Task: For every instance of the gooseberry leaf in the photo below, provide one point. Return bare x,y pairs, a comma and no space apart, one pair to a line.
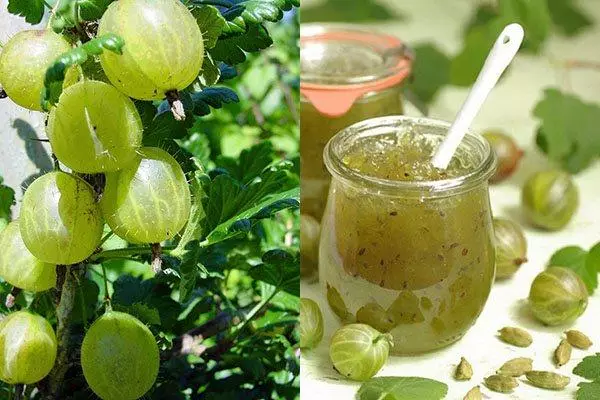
533,15
232,50
588,390
250,163
211,24
31,10
402,388
431,71
90,10
7,199
280,269
86,301
578,260
567,18
568,130
589,367
148,315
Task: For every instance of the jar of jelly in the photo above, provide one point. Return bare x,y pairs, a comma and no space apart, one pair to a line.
347,75
405,247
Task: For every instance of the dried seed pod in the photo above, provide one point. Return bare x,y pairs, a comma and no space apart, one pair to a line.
501,383
473,394
464,370
562,354
516,367
515,336
578,339
547,380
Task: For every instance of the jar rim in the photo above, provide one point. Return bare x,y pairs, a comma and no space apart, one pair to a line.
427,188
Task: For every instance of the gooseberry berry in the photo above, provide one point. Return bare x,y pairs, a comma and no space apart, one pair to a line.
27,348
94,128
23,63
310,231
550,199
311,324
19,267
507,152
149,201
358,351
558,296
511,247
60,220
163,48
119,357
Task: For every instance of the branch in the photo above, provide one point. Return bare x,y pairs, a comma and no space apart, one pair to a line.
64,312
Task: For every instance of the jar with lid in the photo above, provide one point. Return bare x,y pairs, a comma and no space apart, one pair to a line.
405,247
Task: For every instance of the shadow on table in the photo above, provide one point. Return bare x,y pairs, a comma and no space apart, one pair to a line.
349,11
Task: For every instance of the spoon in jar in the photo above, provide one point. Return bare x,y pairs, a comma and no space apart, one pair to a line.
504,50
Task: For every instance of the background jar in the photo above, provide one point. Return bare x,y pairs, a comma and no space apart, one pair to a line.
347,75
413,258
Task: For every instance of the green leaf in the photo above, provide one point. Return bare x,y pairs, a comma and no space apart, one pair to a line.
250,163
31,10
402,388
589,367
210,74
90,10
533,15
588,390
7,200
339,11
86,301
568,130
211,24
65,15
245,13
567,18
576,259
55,74
148,315
214,97
232,50
431,71
280,269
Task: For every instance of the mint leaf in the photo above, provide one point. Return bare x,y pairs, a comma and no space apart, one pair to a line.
7,199
431,71
90,10
280,269
402,388
567,18
589,367
576,259
588,390
31,10
232,50
211,24
568,130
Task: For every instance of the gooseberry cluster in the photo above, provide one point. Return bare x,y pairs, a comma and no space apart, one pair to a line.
94,129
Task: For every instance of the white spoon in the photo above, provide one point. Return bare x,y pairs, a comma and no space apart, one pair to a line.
504,50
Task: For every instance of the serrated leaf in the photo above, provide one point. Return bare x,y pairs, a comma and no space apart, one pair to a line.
589,367
65,15
211,24
90,10
232,50
568,130
86,301
31,10
214,97
567,18
588,390
250,163
7,200
431,71
55,74
148,315
576,259
279,269
402,388
210,74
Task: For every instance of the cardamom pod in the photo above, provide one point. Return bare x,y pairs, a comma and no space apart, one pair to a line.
464,370
547,380
515,336
516,367
501,383
473,394
562,354
578,339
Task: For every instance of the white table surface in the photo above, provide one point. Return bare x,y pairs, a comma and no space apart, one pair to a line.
509,108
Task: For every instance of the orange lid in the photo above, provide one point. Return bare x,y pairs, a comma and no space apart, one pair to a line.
339,64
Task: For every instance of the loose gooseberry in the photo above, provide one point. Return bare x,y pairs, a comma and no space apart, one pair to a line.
511,247
507,152
311,324
550,199
557,296
19,267
358,351
119,356
149,201
60,220
310,231
27,348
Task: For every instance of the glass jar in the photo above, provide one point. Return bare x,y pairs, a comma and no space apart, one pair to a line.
347,75
411,257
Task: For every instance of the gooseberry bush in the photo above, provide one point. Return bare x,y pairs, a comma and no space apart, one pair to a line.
159,259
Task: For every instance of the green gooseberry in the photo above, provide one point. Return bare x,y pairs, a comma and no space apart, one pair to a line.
119,356
27,348
558,296
311,324
511,247
358,351
550,199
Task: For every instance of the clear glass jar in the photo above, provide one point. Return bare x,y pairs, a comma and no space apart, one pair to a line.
413,258
347,75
